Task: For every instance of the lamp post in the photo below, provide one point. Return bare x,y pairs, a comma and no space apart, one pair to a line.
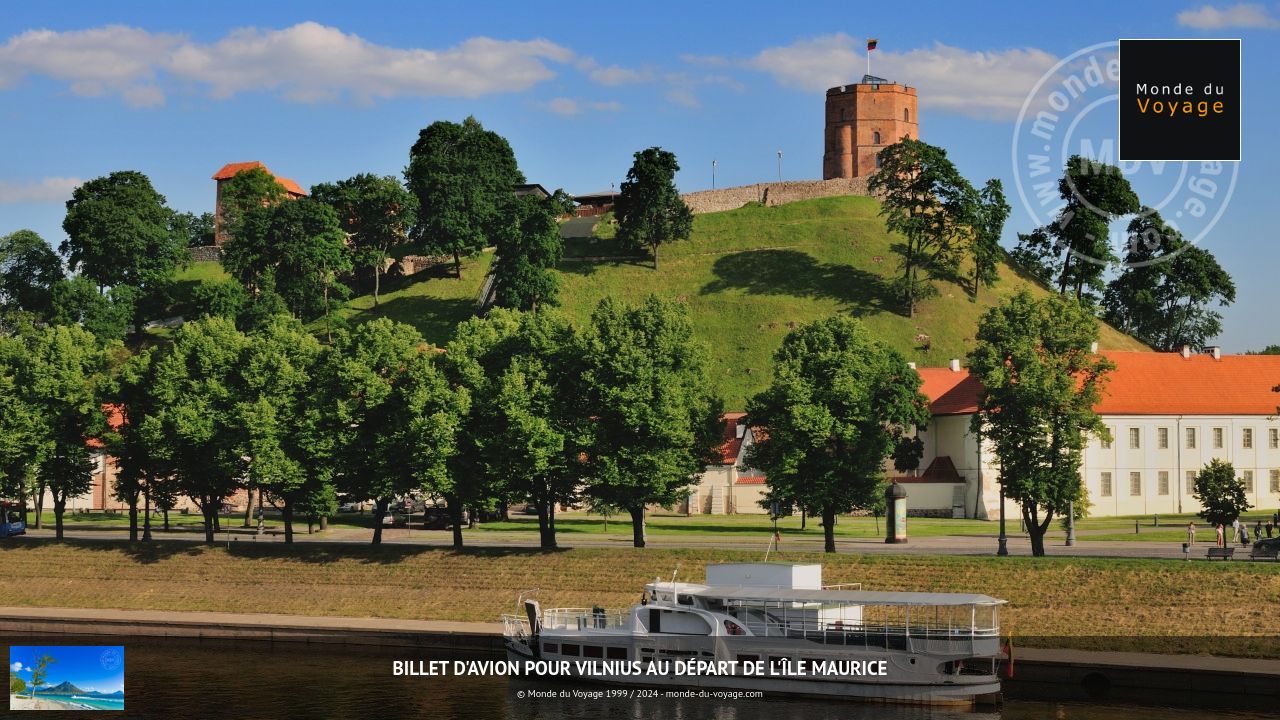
1004,539
1071,523
779,166
713,174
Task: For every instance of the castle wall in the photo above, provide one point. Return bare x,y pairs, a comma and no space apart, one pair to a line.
774,193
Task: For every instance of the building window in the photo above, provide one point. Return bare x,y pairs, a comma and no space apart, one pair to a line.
1191,438
1191,481
1162,438
1273,439
1135,438
876,137
1162,482
1217,438
906,115
1106,441
1106,484
1275,481
1246,438
1248,481
1135,483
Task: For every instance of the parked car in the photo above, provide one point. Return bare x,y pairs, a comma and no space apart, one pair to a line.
1266,548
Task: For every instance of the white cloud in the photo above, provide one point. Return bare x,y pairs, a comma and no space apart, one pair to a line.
705,60
1244,15
683,96
307,62
569,106
16,667
44,190
95,62
989,85
615,75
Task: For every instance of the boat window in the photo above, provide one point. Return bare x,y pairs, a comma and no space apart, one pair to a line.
615,653
551,647
686,600
592,651
733,628
747,659
569,649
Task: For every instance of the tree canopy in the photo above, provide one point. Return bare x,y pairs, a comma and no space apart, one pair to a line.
529,247
29,269
1221,494
841,403
376,213
649,209
462,176
1040,383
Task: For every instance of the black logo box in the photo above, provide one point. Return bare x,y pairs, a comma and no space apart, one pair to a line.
1180,65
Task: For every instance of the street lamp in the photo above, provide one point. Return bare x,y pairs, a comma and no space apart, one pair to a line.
1004,539
779,166
1071,523
713,174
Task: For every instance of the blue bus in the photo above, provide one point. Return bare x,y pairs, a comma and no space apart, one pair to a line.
11,519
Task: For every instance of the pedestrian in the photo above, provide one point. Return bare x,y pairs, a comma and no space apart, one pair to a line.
1270,527
1257,531
1191,533
1244,534
1221,532
1235,531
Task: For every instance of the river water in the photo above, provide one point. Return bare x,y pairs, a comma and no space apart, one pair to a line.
253,680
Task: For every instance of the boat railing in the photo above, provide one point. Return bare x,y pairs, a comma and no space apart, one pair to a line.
584,619
887,635
843,586
515,627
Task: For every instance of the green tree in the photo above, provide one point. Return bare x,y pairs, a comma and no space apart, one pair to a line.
525,430
358,381
195,420
1164,295
65,375
1268,350
195,230
23,432
140,463
1040,383
288,447
654,421
529,247
294,250
16,684
227,299
649,209
119,232
77,301
317,502
28,271
988,226
841,403
40,673
1220,493
376,213
244,192
925,200
462,176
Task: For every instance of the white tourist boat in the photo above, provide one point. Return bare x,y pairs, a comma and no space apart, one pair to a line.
930,648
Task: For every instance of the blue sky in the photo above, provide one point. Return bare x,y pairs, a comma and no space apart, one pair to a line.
323,91
91,668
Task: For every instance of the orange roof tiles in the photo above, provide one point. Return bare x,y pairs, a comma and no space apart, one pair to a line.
1146,383
732,442
230,170
750,480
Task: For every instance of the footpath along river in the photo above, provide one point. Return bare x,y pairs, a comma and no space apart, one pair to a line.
179,678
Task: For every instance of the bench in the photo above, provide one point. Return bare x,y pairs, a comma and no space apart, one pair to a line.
1222,553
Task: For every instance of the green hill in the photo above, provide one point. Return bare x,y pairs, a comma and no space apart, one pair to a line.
747,276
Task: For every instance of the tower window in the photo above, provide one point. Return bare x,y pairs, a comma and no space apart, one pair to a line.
875,137
906,115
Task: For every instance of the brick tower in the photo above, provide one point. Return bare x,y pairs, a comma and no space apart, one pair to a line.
862,120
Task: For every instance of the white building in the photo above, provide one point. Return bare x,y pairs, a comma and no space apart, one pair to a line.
1169,415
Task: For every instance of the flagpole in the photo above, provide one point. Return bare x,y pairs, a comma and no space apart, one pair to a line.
868,61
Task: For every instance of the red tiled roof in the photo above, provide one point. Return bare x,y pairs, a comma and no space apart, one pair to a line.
1147,383
750,480
941,470
732,443
230,170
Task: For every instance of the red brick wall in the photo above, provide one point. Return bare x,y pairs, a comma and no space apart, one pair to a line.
854,114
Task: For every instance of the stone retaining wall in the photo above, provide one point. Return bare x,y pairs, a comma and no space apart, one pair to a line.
775,193
206,253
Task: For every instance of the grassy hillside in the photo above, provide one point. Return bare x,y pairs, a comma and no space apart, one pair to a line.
748,276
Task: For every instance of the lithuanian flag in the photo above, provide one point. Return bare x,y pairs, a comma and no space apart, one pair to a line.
871,44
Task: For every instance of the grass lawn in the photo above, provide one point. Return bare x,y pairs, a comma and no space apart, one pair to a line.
750,275
1078,602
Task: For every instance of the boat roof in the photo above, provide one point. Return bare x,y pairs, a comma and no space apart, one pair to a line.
844,597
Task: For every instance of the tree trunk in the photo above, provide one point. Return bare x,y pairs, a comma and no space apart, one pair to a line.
39,503
803,517
829,529
146,518
287,514
455,518
1036,530
637,525
59,506
248,508
379,512
210,514
166,519
377,278
133,517
655,256
546,525
457,264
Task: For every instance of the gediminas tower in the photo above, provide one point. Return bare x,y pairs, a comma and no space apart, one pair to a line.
862,120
